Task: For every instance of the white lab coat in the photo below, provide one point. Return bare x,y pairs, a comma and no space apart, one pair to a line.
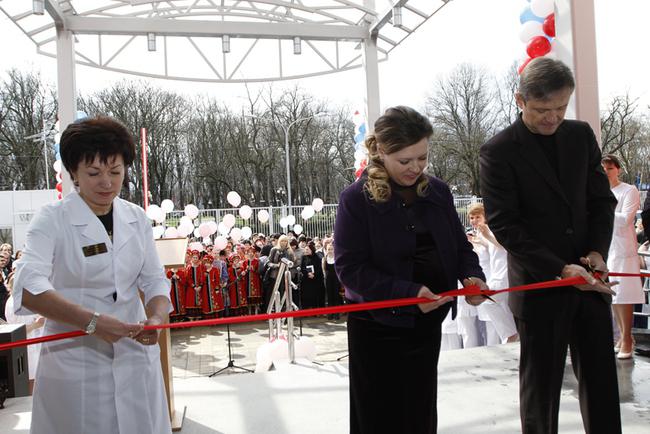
467,318
623,256
500,324
86,385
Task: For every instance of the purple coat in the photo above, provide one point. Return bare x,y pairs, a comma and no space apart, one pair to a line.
374,246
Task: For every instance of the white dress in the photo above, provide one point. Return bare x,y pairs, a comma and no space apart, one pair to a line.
33,351
86,385
623,256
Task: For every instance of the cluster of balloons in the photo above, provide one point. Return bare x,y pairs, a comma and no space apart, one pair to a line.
58,166
224,228
537,29
360,151
307,212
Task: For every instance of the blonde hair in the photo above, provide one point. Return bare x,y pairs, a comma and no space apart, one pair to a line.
476,208
398,128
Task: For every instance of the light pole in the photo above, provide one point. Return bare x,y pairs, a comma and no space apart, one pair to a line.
44,135
286,130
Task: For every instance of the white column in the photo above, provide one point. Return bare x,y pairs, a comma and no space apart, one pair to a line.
371,72
66,87
576,46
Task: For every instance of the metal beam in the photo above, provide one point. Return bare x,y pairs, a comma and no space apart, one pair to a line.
161,26
384,18
52,8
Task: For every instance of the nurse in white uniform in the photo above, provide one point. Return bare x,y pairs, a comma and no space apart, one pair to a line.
499,323
623,256
85,260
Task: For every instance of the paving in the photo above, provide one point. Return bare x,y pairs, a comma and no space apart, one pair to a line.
478,388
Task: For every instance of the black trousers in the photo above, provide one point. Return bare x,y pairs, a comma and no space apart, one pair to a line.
393,376
584,324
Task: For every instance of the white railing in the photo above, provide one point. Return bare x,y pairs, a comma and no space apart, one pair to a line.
321,224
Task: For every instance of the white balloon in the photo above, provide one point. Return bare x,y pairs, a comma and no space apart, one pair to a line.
233,198
229,220
542,8
307,212
58,177
160,216
360,154
152,212
235,234
530,29
223,229
220,242
171,232
186,220
213,227
196,233
191,211
57,166
263,216
291,219
167,205
246,232
184,230
283,222
297,229
207,241
204,230
317,204
196,245
158,231
245,212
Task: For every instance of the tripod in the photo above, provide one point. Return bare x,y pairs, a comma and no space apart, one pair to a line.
231,362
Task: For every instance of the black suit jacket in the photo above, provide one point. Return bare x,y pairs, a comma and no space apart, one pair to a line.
543,220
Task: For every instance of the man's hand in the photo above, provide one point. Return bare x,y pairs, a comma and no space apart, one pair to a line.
436,300
593,284
595,262
475,300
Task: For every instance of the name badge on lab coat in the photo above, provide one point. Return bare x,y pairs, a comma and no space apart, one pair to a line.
94,249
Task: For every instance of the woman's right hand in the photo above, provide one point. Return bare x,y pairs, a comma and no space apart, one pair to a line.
436,302
112,329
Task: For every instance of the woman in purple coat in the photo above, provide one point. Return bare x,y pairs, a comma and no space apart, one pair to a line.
398,235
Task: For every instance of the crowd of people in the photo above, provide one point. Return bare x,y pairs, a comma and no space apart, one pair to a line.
239,279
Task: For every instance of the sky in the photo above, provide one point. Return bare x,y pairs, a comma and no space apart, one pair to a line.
482,32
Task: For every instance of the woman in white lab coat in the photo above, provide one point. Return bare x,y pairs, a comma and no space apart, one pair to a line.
84,261
499,323
623,256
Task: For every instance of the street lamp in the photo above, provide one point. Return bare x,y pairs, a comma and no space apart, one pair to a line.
286,129
47,132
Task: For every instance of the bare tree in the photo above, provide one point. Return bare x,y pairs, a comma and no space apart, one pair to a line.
619,123
27,106
462,110
505,89
164,114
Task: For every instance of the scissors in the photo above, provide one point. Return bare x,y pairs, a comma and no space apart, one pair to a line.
482,294
598,274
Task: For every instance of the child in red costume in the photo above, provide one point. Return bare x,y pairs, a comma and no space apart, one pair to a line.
211,298
194,281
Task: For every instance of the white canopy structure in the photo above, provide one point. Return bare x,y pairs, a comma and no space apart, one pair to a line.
257,40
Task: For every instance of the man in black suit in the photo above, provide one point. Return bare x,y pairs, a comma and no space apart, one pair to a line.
549,204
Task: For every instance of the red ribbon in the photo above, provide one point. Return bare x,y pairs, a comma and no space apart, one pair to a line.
354,307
